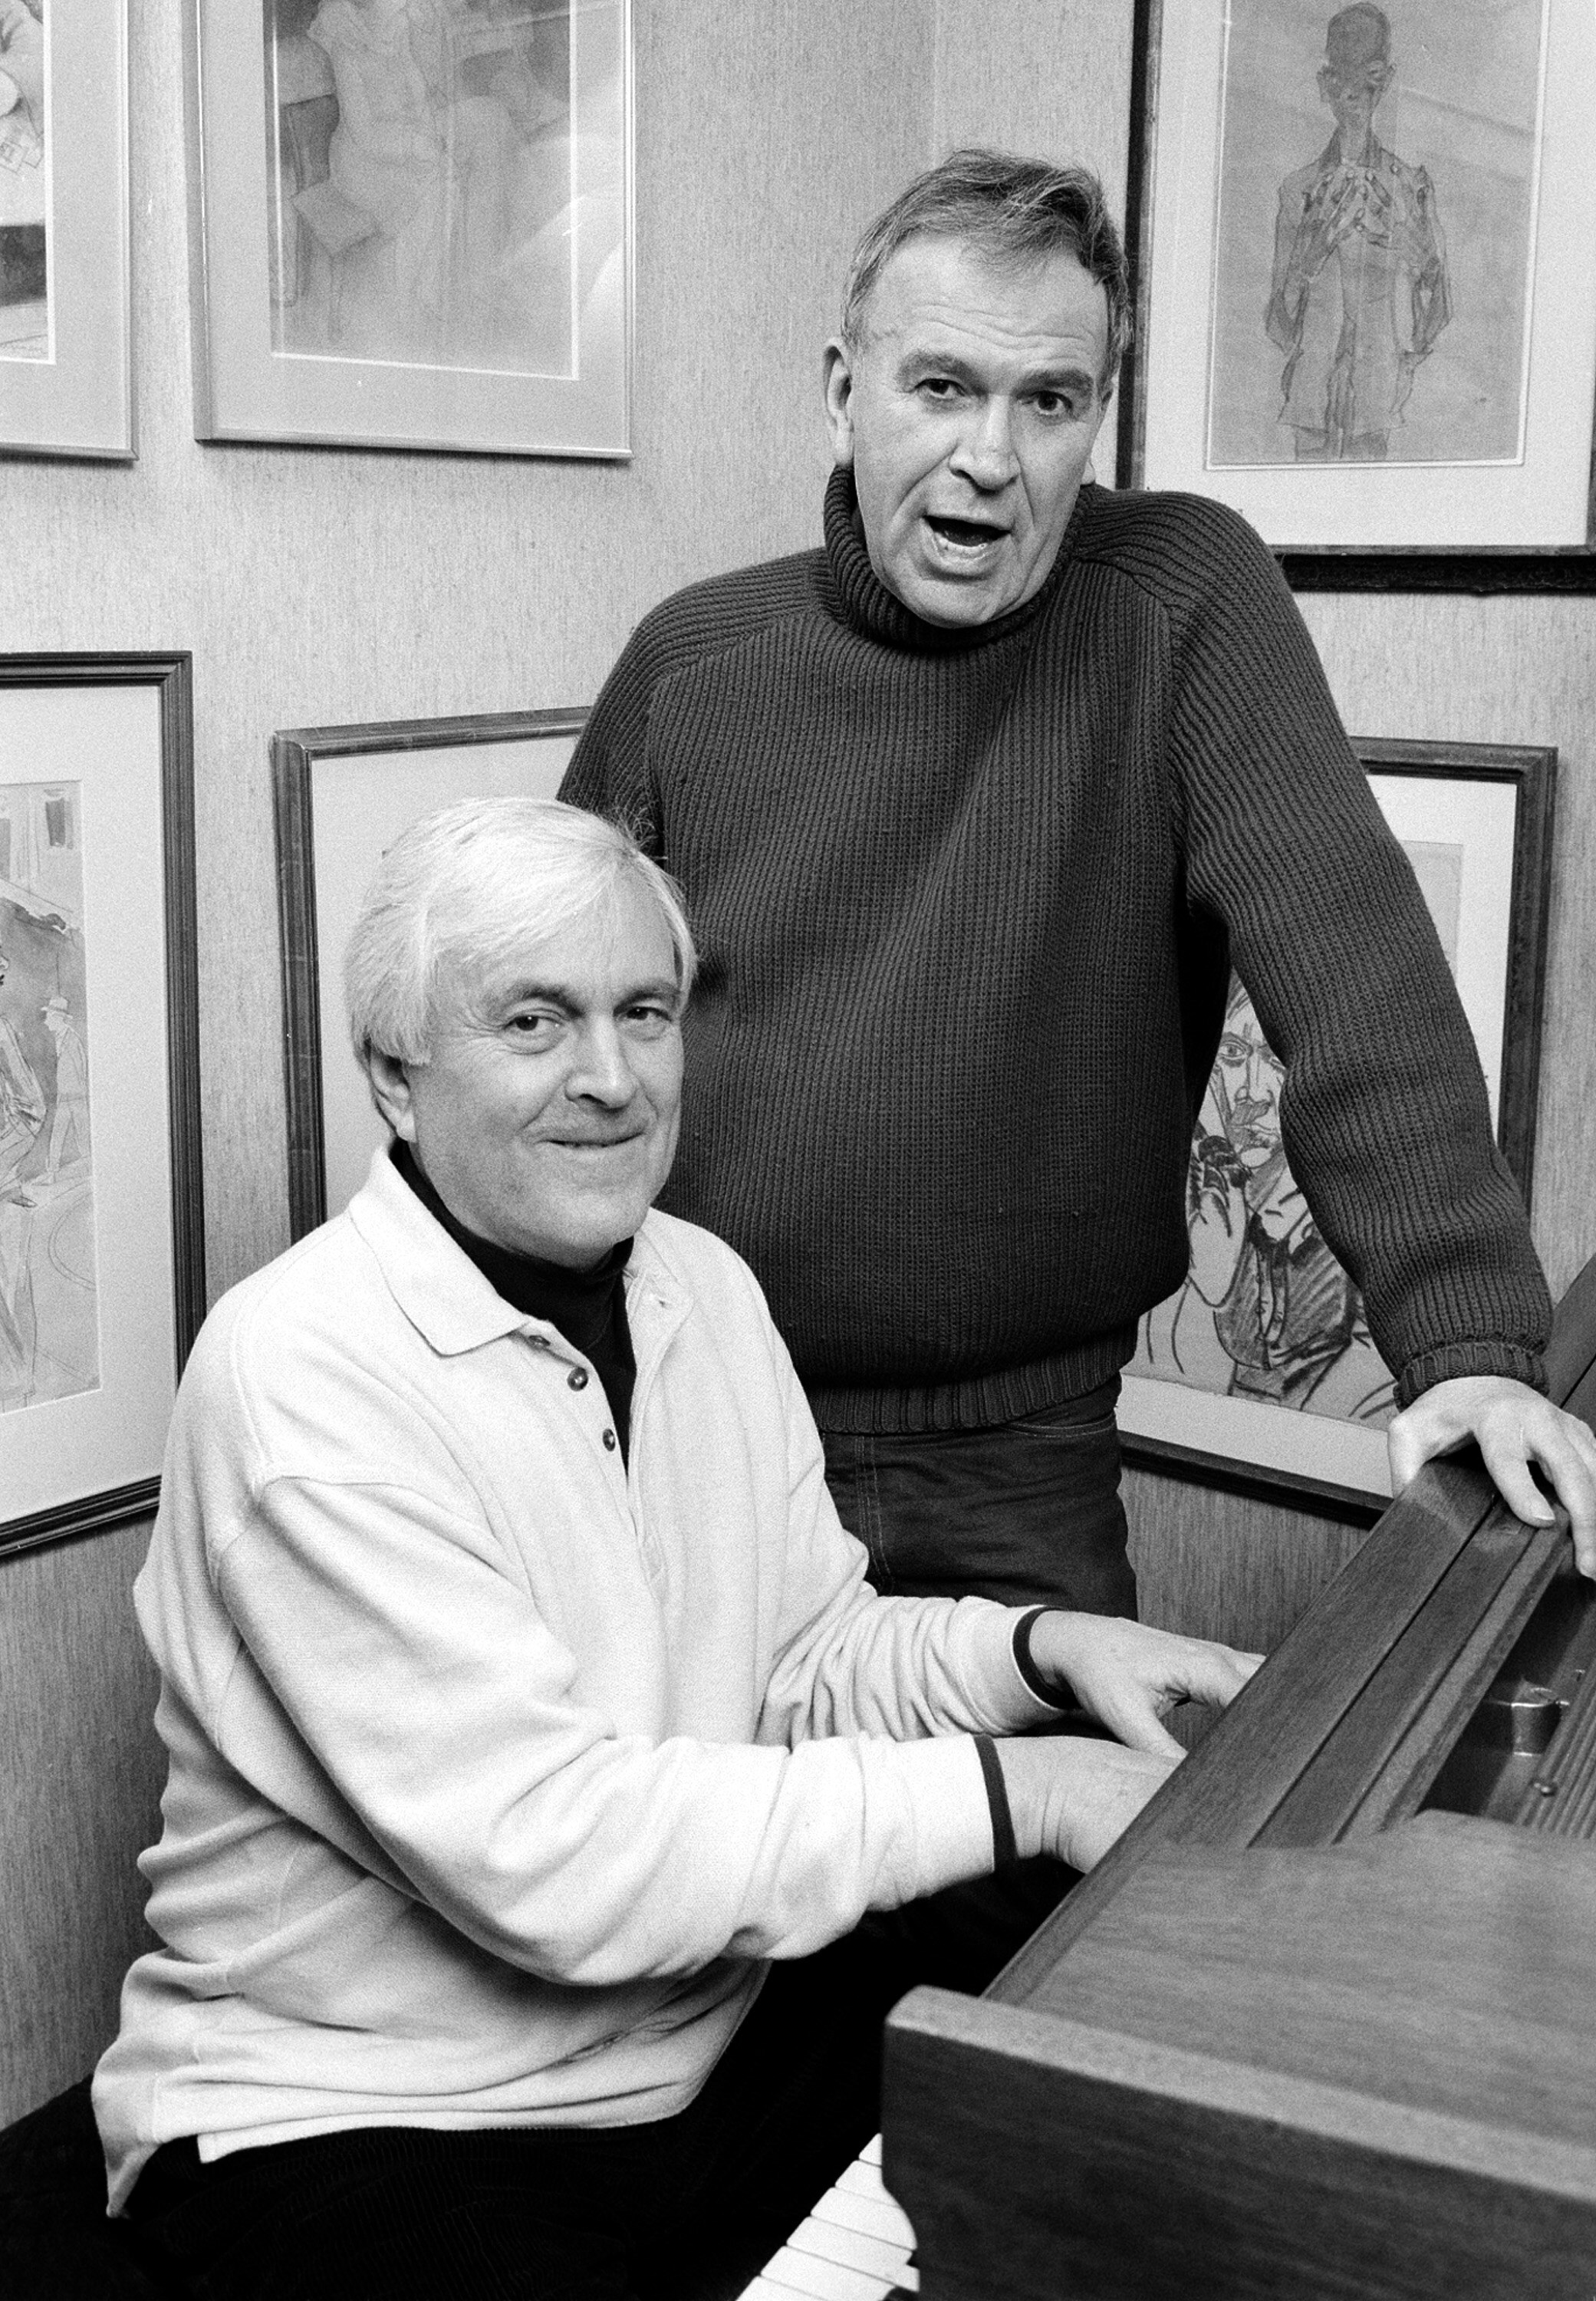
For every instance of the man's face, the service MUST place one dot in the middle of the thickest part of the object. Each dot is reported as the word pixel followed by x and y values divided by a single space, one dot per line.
pixel 968 415
pixel 545 1119
pixel 1249 1081
pixel 1352 90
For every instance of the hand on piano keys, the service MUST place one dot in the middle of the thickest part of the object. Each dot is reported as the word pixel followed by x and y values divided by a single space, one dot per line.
pixel 856 2245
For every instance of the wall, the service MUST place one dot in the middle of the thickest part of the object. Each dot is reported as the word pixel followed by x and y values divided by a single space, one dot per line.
pixel 321 585
pixel 318 585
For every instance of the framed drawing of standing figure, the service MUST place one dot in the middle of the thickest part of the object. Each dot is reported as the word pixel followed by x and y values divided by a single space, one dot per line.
pixel 1365 311
pixel 1263 1363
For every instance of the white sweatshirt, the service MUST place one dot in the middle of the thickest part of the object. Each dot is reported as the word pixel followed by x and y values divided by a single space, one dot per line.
pixel 496 1768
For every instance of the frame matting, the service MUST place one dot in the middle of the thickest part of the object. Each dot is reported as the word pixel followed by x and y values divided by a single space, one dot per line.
pixel 101 1232
pixel 1475 820
pixel 412 230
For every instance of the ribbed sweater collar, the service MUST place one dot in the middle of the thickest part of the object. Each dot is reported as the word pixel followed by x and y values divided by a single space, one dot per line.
pixel 866 602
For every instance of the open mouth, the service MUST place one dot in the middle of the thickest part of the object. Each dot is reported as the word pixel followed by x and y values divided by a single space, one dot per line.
pixel 963 534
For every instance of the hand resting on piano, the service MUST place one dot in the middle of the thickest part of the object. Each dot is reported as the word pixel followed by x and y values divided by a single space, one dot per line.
pixel 1072 1795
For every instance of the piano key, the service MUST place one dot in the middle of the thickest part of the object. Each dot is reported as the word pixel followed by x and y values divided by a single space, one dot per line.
pixel 854 2245
pixel 823 2281
pixel 850 2249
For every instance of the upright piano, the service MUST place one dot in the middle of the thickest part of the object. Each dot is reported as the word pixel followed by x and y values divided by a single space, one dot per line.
pixel 1324 2022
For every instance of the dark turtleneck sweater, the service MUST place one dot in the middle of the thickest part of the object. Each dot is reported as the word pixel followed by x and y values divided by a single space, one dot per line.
pixel 968 900
pixel 587 1307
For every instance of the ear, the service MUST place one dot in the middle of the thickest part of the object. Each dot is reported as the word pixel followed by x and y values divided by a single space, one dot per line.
pixel 837 386
pixel 390 1092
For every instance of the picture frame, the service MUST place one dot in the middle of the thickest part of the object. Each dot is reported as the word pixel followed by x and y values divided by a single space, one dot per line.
pixel 341 795
pixel 101 1223
pixel 66 374
pixel 1476 821
pixel 1445 441
pixel 412 230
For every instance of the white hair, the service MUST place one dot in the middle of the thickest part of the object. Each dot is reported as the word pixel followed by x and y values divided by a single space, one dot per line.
pixel 466 888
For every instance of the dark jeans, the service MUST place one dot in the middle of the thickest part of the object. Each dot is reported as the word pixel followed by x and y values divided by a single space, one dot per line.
pixel 686 2208
pixel 1029 1513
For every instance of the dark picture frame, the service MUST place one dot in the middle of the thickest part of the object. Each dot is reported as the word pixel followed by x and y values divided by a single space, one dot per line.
pixel 102 1181
pixel 1477 822
pixel 340 795
pixel 1163 106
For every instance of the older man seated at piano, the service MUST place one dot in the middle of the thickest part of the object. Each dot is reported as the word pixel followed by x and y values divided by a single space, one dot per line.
pixel 536 1744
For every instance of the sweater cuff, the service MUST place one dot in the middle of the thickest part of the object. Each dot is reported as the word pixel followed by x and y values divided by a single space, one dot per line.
pixel 1455 1360
pixel 1005 1847
pixel 1045 1689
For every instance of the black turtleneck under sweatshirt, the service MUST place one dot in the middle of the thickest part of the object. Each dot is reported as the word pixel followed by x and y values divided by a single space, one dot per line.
pixel 587 1307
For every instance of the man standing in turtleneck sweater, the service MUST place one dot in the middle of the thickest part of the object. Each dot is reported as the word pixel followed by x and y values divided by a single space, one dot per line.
pixel 977 806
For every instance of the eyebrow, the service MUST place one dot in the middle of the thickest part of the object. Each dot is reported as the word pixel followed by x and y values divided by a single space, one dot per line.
pixel 1045 378
pixel 557 994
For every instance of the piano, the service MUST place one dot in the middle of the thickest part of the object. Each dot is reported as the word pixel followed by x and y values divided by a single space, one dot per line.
pixel 1324 2022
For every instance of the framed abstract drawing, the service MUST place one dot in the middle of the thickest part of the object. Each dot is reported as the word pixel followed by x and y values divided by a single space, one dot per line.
pixel 65 367
pixel 410 222
pixel 1365 311
pixel 102 1232
pixel 1262 1367
pixel 342 796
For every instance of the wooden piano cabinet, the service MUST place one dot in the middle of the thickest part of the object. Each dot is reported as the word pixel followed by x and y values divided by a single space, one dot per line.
pixel 1310 2029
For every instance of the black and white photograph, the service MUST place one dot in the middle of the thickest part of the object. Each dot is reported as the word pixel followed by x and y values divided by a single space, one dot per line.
pixel 797 1152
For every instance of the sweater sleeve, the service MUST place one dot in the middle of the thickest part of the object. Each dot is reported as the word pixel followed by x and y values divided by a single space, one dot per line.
pixel 1384 1110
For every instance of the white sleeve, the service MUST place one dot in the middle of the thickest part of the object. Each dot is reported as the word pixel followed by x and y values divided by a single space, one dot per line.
pixel 437 1713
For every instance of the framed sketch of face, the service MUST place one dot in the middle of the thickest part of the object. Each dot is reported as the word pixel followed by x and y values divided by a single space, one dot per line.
pixel 1262 1364
pixel 411 222
pixel 1365 315
pixel 342 795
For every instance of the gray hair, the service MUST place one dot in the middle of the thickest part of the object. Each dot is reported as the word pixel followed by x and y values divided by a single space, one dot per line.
pixel 468 886
pixel 1015 211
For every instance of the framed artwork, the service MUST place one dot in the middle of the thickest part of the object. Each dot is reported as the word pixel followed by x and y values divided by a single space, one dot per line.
pixel 1262 1365
pixel 1365 308
pixel 342 797
pixel 102 1234
pixel 65 369
pixel 410 222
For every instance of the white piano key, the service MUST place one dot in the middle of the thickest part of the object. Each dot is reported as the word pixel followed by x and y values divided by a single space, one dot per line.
pixel 823 2281
pixel 875 2210
pixel 854 2245
pixel 850 2249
